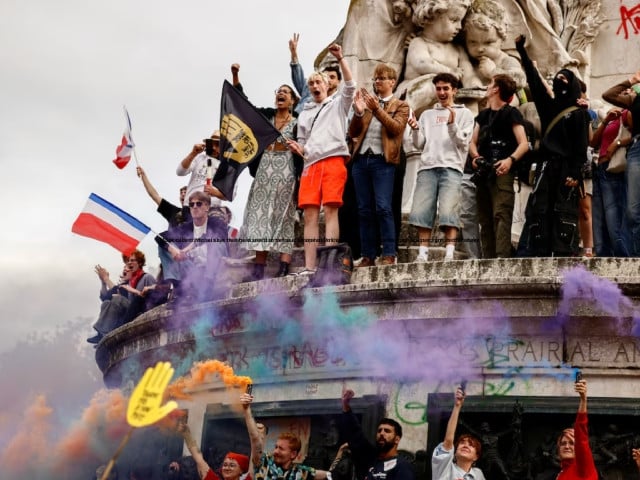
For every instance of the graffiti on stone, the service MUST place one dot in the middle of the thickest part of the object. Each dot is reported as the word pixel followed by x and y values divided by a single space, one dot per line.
pixel 629 21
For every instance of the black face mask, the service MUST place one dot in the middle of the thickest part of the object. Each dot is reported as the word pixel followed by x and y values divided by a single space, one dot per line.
pixel 560 88
pixel 566 93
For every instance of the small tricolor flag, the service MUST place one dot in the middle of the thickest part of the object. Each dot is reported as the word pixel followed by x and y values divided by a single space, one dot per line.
pixel 125 149
pixel 103 221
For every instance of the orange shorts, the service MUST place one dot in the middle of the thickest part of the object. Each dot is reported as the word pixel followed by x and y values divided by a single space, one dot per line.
pixel 323 183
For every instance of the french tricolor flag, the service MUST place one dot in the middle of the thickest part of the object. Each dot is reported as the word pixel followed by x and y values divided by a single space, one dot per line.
pixel 127 146
pixel 103 221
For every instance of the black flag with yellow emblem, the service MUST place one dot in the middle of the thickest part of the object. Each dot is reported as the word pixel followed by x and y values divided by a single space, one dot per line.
pixel 244 134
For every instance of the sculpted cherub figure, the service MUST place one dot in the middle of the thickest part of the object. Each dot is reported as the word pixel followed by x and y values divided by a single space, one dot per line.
pixel 434 51
pixel 485 28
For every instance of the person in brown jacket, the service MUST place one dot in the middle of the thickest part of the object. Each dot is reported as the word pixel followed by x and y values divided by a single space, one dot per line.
pixel 377 129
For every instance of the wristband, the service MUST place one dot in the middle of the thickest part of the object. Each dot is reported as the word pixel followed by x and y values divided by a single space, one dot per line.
pixel 339 59
pixel 513 159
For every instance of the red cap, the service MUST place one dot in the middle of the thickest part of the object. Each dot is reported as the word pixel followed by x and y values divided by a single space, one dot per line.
pixel 242 460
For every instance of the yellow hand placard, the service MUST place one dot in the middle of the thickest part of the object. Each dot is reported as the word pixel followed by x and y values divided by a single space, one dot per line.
pixel 145 403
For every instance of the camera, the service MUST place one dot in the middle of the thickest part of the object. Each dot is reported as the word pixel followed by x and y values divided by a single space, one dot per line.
pixel 208 146
pixel 484 171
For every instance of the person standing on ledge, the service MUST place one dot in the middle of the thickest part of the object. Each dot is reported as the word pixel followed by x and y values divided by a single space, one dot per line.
pixel 321 142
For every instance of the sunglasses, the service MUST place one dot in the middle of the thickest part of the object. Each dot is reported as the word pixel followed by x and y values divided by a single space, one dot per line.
pixel 196 204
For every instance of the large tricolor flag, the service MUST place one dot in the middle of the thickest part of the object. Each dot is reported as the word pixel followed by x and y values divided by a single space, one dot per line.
pixel 103 221
pixel 125 149
pixel 244 134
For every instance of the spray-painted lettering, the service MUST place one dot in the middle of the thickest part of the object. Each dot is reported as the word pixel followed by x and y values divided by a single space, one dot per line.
pixel 227 325
pixel 629 20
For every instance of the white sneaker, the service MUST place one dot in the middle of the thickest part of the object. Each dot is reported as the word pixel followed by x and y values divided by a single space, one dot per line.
pixel 448 258
pixel 421 259
pixel 304 273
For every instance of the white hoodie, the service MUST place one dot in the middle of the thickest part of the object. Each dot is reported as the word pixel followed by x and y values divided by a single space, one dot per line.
pixel 444 145
pixel 327 138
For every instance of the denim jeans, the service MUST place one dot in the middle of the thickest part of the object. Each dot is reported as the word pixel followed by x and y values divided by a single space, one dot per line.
pixel 608 209
pixel 438 191
pixel 373 179
pixel 632 175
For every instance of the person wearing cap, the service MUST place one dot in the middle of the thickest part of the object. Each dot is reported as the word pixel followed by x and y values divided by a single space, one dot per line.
pixel 202 166
pixel 234 465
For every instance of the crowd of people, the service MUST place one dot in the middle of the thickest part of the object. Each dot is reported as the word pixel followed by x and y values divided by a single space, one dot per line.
pixel 454 458
pixel 341 153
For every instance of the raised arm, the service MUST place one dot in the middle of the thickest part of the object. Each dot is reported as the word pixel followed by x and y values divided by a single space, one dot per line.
pixel 584 457
pixel 194 450
pixel 235 74
pixel 452 424
pixel 257 442
pixel 297 73
pixel 539 90
pixel 183 167
pixel 103 275
pixel 349 87
pixel 153 193
pixel 616 95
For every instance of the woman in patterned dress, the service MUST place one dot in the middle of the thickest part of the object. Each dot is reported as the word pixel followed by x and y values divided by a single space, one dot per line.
pixel 270 212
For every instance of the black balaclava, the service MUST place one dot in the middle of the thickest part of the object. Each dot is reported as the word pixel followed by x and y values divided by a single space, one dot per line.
pixel 566 94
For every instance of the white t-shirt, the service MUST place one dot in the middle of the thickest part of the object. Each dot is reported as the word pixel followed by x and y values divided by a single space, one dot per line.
pixel 198 171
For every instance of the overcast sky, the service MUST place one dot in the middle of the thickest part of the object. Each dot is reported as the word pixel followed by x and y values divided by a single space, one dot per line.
pixel 67 69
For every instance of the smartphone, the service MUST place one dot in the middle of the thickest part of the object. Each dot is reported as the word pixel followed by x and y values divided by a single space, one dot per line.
pixel 578 375
pixel 249 388
pixel 463 385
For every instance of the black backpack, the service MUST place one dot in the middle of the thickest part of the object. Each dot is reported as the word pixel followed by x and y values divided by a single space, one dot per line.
pixel 335 266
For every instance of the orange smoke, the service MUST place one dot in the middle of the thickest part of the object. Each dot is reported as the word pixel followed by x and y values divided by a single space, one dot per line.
pixel 200 373
pixel 102 424
pixel 30 445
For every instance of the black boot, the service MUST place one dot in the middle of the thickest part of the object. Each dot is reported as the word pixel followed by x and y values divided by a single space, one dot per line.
pixel 257 274
pixel 284 269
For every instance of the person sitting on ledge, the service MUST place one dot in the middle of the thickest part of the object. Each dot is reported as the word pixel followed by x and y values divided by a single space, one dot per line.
pixel 191 253
pixel 125 301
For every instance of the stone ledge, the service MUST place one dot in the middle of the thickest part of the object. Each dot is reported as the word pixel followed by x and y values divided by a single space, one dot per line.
pixel 520 293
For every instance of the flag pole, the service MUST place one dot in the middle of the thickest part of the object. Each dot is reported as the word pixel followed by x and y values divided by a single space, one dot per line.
pixel 135 157
pixel 128 120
